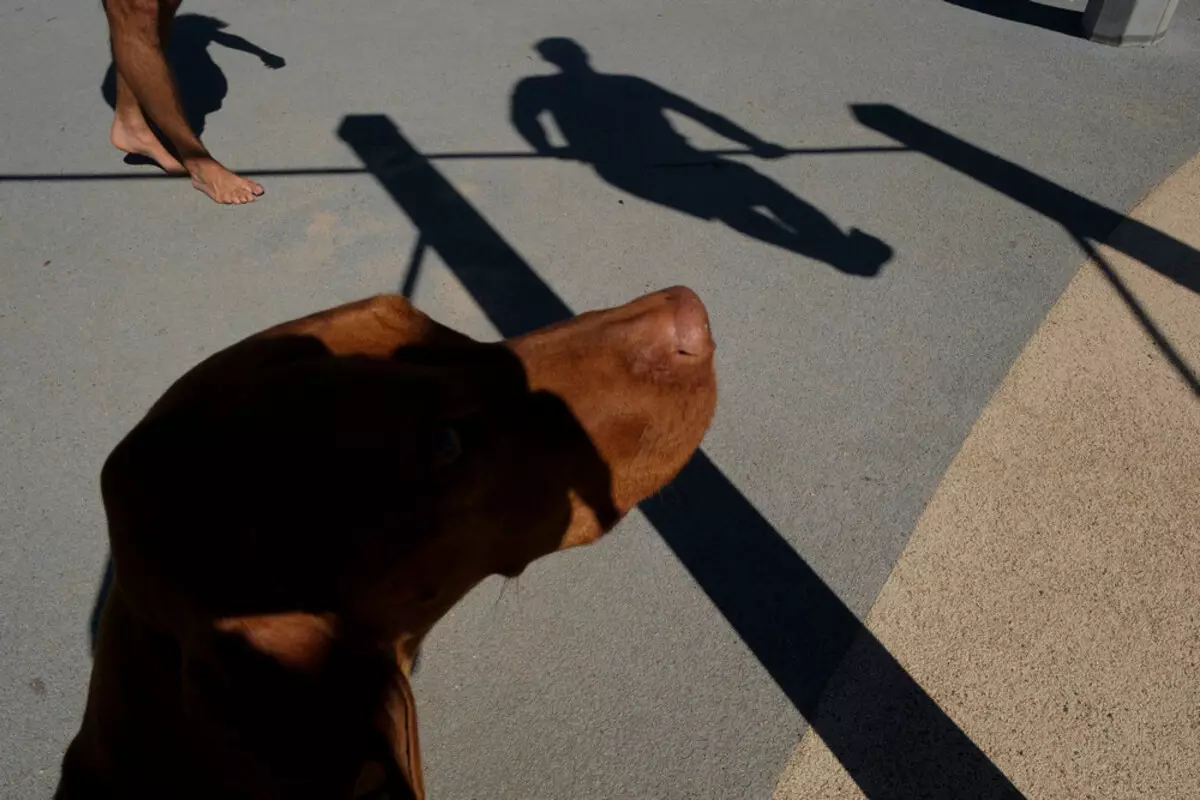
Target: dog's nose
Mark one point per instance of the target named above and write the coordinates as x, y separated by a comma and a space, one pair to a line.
692, 335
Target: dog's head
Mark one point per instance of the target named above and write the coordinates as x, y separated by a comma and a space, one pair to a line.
368, 466
298, 511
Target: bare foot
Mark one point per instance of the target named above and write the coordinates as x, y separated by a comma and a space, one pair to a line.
220, 184
135, 136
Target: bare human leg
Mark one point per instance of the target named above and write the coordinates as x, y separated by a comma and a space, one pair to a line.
130, 131
145, 85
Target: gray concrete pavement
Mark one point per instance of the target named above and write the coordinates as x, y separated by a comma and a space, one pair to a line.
606, 672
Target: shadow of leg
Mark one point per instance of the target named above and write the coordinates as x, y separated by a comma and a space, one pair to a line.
792, 224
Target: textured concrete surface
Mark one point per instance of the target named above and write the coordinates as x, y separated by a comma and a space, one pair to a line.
608, 672
1047, 599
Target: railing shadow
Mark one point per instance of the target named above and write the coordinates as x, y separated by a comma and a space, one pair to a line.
1086, 221
700, 158
1079, 215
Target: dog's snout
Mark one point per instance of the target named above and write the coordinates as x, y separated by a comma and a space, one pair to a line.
692, 335
640, 380
672, 327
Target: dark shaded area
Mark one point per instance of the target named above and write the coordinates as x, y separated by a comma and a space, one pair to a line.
795, 625
618, 124
510, 293
1085, 220
1027, 12
202, 84
884, 729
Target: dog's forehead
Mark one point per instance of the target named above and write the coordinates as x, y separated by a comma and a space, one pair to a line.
374, 327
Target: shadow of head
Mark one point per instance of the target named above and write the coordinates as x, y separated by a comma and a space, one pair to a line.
370, 466
566, 54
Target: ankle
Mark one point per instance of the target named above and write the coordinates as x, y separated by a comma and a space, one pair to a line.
130, 122
196, 158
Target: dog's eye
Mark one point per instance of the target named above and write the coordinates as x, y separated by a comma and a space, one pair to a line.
447, 446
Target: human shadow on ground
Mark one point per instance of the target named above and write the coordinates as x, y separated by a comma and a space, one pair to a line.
886, 731
202, 84
1027, 12
618, 125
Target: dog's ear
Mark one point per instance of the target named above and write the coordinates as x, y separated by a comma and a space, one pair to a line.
282, 704
400, 721
297, 640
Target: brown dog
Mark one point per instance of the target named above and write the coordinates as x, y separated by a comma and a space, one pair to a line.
296, 513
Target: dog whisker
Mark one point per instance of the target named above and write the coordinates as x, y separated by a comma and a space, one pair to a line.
500, 594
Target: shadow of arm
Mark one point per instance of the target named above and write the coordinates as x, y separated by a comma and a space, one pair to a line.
526, 104
715, 122
235, 42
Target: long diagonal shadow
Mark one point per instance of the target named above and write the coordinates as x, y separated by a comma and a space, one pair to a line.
1029, 12
1085, 220
1080, 216
795, 625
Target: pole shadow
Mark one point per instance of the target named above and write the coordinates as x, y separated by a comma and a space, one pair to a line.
796, 626
618, 125
1086, 221
202, 84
